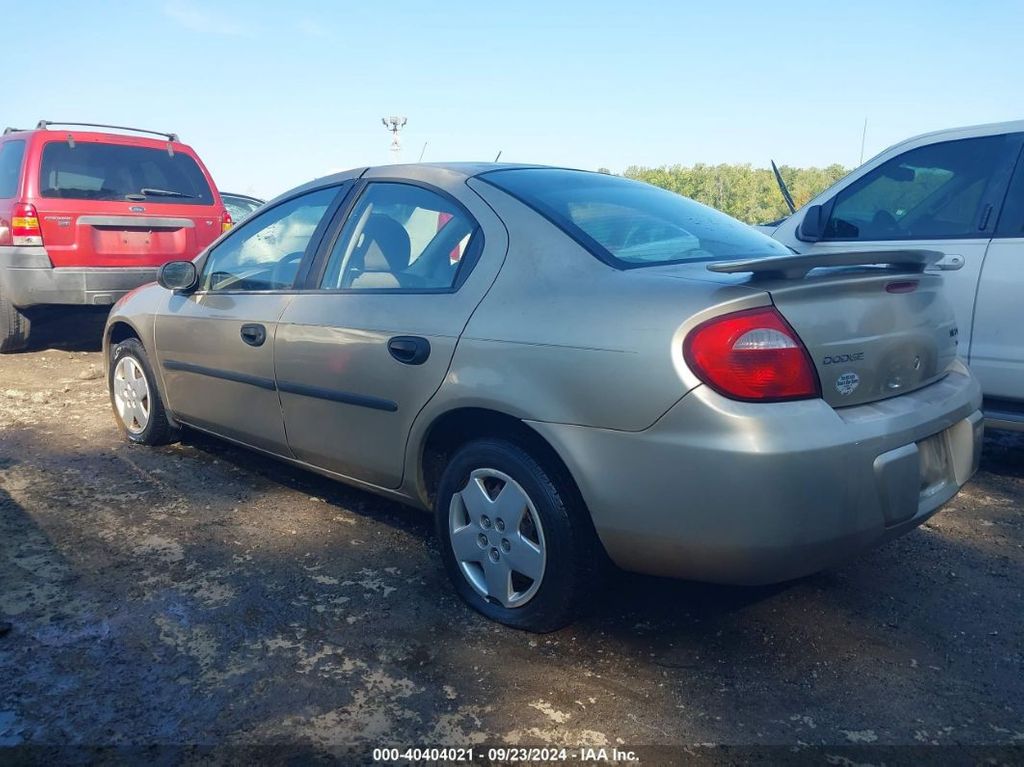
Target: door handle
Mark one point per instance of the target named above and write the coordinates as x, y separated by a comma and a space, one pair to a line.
949, 263
253, 334
409, 350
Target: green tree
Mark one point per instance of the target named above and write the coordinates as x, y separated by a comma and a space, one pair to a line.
744, 192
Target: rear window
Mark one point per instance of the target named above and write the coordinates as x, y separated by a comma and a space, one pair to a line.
91, 171
11, 154
630, 224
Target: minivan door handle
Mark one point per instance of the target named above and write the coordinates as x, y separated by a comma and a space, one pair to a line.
253, 333
409, 350
949, 263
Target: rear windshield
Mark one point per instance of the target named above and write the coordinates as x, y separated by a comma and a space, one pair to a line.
91, 171
630, 224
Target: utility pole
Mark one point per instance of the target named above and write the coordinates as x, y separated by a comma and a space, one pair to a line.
394, 124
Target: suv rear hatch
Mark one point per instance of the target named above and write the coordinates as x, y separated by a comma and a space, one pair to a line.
106, 201
872, 332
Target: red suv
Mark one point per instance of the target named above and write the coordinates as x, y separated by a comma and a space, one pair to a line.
87, 216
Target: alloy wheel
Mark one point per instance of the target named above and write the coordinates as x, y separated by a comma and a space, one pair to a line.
497, 538
131, 395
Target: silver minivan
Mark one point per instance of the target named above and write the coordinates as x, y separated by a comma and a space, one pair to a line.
960, 192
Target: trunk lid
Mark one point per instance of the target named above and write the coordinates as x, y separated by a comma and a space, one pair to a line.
872, 332
869, 343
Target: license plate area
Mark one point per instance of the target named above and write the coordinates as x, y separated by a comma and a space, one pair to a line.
124, 241
935, 466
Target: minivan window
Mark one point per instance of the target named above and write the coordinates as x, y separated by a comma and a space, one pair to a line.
933, 191
91, 171
11, 155
239, 207
1011, 221
628, 223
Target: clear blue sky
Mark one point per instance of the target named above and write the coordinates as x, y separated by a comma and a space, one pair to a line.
273, 94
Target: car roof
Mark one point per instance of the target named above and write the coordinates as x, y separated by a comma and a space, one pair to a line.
419, 169
239, 196
438, 173
952, 134
127, 139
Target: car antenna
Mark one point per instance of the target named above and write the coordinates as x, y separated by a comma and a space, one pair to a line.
498, 156
424, 149
783, 188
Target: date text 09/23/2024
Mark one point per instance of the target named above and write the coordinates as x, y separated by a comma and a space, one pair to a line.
503, 754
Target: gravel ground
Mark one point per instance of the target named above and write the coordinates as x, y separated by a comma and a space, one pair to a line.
203, 594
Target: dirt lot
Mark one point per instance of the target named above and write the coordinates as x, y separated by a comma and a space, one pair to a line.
203, 594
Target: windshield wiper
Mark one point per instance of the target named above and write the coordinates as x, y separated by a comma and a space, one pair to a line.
150, 192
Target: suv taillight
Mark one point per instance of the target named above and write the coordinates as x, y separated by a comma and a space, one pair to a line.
753, 355
225, 221
25, 225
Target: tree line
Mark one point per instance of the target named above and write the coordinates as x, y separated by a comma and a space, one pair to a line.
744, 192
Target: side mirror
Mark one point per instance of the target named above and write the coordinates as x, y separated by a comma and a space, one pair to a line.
178, 276
812, 227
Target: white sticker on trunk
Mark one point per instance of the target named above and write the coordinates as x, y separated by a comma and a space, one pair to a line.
846, 383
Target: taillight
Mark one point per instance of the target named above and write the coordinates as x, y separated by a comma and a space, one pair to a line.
752, 355
225, 222
25, 225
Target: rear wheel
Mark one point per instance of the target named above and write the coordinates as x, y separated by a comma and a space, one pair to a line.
134, 396
14, 326
516, 541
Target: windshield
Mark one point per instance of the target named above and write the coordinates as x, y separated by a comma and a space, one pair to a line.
629, 224
92, 171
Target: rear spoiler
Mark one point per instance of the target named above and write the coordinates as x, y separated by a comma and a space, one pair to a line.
796, 266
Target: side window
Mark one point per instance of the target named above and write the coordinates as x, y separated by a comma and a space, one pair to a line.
399, 237
933, 191
238, 208
1011, 221
11, 154
265, 252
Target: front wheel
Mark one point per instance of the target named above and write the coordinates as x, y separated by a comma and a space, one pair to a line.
134, 396
516, 541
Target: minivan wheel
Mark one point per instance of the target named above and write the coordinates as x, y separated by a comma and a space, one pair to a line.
515, 540
15, 326
133, 394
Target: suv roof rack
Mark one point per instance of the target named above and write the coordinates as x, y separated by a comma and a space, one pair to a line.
43, 124
9, 129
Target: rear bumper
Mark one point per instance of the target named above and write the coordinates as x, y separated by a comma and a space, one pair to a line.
29, 279
743, 493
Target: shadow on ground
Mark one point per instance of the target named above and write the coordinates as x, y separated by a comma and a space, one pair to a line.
76, 329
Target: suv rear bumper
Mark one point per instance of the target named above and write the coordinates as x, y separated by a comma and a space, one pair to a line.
28, 278
751, 493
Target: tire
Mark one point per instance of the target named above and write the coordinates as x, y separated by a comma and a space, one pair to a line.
571, 561
138, 407
15, 326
